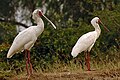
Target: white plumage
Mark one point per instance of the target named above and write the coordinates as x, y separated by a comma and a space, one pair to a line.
86, 41
26, 39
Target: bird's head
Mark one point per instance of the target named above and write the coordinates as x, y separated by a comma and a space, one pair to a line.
37, 13
96, 21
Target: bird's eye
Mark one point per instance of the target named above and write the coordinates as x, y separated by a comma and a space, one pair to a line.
97, 22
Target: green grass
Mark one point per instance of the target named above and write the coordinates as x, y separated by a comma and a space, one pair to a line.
101, 61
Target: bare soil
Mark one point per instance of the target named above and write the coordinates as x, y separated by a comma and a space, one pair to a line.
84, 75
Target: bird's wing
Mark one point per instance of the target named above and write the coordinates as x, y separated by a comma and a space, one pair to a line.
20, 40
84, 42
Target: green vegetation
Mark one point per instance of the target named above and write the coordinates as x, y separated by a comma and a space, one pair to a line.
51, 53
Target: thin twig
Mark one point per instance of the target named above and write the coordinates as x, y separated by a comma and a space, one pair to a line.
14, 22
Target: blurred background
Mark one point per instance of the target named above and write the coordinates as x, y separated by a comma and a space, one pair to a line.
52, 50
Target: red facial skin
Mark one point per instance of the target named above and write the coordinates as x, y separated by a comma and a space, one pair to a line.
40, 13
99, 21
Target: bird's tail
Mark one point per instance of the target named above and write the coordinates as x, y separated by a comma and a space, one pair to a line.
75, 51
10, 53
9, 56
73, 54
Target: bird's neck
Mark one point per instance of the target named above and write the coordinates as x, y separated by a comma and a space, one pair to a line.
40, 26
39, 21
98, 30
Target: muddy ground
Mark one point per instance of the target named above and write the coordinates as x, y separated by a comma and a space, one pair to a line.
84, 75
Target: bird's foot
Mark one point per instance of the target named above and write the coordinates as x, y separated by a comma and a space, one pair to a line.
28, 73
91, 70
16, 78
31, 69
28, 77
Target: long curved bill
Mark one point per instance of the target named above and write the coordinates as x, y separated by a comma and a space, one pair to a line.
104, 26
49, 21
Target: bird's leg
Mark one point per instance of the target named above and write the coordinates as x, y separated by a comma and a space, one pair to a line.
88, 60
29, 62
26, 53
85, 58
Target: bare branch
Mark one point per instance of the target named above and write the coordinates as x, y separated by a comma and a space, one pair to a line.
14, 22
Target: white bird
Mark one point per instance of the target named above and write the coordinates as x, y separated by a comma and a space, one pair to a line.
86, 41
26, 39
